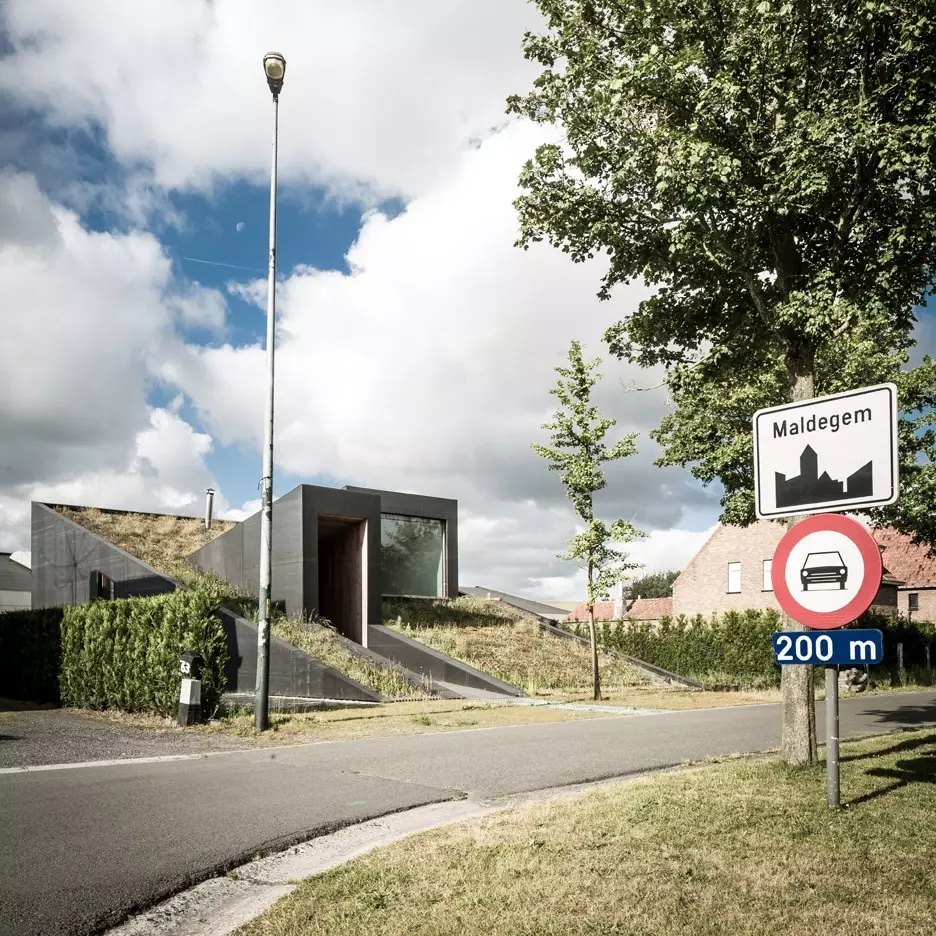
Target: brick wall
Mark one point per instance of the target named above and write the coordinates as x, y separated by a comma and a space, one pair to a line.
927, 602
702, 587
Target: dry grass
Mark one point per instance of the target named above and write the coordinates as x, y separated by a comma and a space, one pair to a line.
348, 724
322, 643
526, 657
159, 540
736, 849
672, 699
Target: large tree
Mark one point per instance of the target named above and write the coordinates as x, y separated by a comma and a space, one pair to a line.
770, 169
579, 452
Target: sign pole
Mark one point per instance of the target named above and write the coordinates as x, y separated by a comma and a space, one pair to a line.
832, 735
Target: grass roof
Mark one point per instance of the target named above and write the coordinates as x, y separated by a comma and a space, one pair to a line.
160, 540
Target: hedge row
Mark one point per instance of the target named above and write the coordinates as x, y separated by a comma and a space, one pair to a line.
120, 654
31, 654
736, 648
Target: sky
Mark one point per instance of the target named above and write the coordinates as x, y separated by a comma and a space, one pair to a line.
415, 342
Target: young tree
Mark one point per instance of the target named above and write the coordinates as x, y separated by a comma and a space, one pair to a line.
769, 167
578, 453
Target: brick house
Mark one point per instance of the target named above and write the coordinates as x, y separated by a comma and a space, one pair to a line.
916, 568
731, 572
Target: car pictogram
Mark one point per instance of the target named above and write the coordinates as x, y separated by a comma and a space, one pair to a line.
822, 568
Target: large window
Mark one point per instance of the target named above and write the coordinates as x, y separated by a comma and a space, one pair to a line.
768, 584
734, 577
411, 556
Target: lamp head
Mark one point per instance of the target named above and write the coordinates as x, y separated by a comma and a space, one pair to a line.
274, 67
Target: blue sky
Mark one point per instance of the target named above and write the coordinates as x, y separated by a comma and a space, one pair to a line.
416, 343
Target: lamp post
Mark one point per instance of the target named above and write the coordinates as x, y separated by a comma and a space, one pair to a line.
274, 67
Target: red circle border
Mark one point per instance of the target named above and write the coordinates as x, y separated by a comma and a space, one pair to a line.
871, 584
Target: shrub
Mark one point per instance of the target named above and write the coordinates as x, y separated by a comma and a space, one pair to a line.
125, 654
31, 654
736, 648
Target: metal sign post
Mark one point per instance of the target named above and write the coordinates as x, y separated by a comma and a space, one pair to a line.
832, 735
825, 573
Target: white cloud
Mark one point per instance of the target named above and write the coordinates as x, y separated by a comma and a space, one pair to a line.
427, 369
165, 472
380, 95
85, 318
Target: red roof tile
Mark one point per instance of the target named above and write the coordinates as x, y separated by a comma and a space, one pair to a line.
650, 609
907, 561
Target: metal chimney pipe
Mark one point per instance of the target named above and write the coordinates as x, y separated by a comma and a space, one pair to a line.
209, 504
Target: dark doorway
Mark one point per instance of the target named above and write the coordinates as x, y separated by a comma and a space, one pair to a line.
341, 573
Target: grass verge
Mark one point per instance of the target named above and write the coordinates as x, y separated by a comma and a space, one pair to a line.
741, 848
387, 720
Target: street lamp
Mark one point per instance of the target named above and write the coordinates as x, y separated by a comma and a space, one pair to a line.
274, 67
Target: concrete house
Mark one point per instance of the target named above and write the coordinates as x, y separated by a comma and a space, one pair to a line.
340, 551
336, 552
731, 572
15, 584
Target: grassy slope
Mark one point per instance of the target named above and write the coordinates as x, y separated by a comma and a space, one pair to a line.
506, 643
736, 849
159, 540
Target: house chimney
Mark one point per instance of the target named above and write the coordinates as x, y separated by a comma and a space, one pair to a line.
209, 504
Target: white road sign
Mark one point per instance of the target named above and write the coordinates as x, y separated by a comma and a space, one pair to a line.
836, 452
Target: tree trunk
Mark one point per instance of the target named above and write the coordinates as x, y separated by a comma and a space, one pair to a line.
594, 652
798, 743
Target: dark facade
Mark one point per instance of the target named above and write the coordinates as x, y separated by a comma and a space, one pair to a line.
68, 560
442, 509
327, 551
326, 547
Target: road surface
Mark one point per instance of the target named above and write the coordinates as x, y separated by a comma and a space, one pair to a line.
83, 847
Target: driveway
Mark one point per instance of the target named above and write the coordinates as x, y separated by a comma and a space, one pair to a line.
85, 846
38, 736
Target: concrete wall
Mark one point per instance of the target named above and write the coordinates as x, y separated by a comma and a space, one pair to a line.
431, 508
14, 600
235, 555
702, 587
65, 554
321, 502
440, 668
292, 673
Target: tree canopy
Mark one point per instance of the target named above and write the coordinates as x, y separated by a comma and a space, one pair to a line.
769, 168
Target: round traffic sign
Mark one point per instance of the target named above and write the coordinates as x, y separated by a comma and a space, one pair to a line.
826, 571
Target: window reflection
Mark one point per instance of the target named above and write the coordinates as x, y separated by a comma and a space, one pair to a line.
411, 554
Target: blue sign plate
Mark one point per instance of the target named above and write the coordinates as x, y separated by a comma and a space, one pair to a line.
829, 648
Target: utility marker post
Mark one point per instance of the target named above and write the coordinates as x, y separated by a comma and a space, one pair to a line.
832, 735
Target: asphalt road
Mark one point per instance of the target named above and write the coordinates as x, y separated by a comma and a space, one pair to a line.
83, 847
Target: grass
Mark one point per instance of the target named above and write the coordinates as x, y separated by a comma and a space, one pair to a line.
741, 848
522, 655
348, 724
320, 641
160, 540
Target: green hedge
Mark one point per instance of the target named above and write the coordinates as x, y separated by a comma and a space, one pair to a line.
120, 654
736, 648
31, 654
125, 654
